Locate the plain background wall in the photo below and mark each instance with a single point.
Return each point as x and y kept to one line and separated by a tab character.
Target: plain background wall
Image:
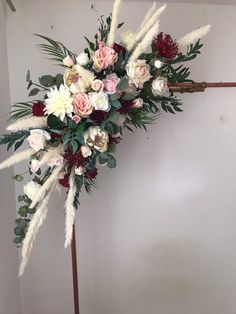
9	284
158	236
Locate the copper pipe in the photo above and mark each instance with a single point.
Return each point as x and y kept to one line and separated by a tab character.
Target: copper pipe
75	272
191	87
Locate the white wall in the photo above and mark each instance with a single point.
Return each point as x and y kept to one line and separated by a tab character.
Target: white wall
9	284
158	236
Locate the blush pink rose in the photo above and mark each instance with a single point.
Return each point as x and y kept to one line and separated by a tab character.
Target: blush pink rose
110	83
82	105
138	103
103	57
138	72
68	61
97	85
38	139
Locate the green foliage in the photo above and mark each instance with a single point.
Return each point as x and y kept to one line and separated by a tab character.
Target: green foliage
14	140
54	122
171	104
55	49
20	110
139	119
104	28
89	184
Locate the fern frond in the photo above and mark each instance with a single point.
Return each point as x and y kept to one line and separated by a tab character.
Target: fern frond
55	49
20	110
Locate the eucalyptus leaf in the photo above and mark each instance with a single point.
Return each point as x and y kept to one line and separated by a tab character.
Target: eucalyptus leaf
34	91
123	84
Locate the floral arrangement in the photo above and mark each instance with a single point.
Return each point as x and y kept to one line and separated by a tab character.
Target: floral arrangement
81	114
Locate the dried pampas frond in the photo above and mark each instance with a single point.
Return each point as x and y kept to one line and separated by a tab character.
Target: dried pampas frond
70	209
50	154
28	123
114	23
34	226
17	157
47	184
148	16
149	24
192	37
146	41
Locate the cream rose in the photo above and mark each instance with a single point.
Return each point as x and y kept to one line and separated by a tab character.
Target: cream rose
97	85
82	105
82	58
100	101
159	86
97	138
104	57
31	189
110	83
138	103
138	72
85	151
38	139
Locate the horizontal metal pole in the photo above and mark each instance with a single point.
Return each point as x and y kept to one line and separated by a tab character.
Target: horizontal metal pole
191	87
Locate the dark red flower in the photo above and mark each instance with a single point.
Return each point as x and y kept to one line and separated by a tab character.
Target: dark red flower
166	46
125	106
65	181
114	140
75	159
55	136
37	109
119	49
92	175
98	116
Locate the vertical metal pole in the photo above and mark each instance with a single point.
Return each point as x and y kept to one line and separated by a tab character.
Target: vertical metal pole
75	272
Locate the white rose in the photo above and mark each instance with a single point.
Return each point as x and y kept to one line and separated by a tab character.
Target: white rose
37	139
159	86
128	38
97	138
31	189
86	151
79	170
138	72
82	58
100	101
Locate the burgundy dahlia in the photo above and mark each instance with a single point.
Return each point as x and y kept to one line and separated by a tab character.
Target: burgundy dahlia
38	109
166	46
